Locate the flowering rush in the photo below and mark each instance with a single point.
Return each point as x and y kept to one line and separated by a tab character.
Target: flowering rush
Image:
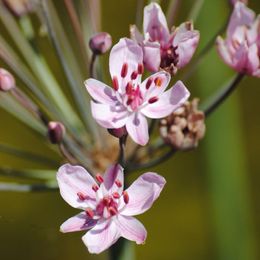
130	101
241	49
108	210
162	49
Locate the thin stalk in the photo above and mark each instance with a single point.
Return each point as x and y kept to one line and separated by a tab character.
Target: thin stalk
67	154
223	94
4	148
173	8
77	29
121	157
92	65
195	10
16	187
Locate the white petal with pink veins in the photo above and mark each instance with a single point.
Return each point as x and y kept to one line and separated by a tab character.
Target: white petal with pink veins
137	128
75	179
101	237
109	116
131	229
100	92
78	223
142	193
168	102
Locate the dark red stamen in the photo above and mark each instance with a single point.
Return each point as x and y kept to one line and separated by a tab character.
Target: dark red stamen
81	196
134	75
140	69
95	187
148	83
126	197
118	183
115	83
112	211
99	178
90	213
116	195
152	100
129	88
124	70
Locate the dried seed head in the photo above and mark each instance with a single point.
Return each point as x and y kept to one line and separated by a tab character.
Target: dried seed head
56	132
7	81
100	43
184	127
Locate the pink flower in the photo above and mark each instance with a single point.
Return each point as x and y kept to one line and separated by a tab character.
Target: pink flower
233	2
130	100
108	210
162	49
241	49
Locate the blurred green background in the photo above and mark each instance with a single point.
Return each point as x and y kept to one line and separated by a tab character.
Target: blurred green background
209	208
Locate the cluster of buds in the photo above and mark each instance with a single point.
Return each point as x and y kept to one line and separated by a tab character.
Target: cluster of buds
184	127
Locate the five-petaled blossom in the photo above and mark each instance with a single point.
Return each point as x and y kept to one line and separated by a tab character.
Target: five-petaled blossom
108	209
130	101
162	49
241	49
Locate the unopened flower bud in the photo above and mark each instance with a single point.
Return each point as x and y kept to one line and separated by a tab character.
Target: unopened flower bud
100	43
19	7
7	81
184	127
56	132
118	132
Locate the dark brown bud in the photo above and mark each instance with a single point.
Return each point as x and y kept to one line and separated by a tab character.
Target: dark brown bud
118	132
184	127
100	43
56	132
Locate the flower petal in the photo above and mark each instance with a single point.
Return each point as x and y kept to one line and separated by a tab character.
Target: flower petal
131	229
241	15
186	40
72	180
155	23
113	173
142	193
100	92
128	52
152	55
253	59
223	51
135	34
101	237
109	116
168	102
78	223
137	128
159	82
239	61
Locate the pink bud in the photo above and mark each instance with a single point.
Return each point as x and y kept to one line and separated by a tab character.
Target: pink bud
118	132
7	81
56	132
100	43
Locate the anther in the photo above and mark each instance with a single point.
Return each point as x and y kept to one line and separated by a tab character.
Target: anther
124	70
115	83
116	195
148	83
112	211
99	178
158	81
140	69
129	101
126	197
81	196
134	75
95	187
129	88
106	201
152	100
118	183
89	212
